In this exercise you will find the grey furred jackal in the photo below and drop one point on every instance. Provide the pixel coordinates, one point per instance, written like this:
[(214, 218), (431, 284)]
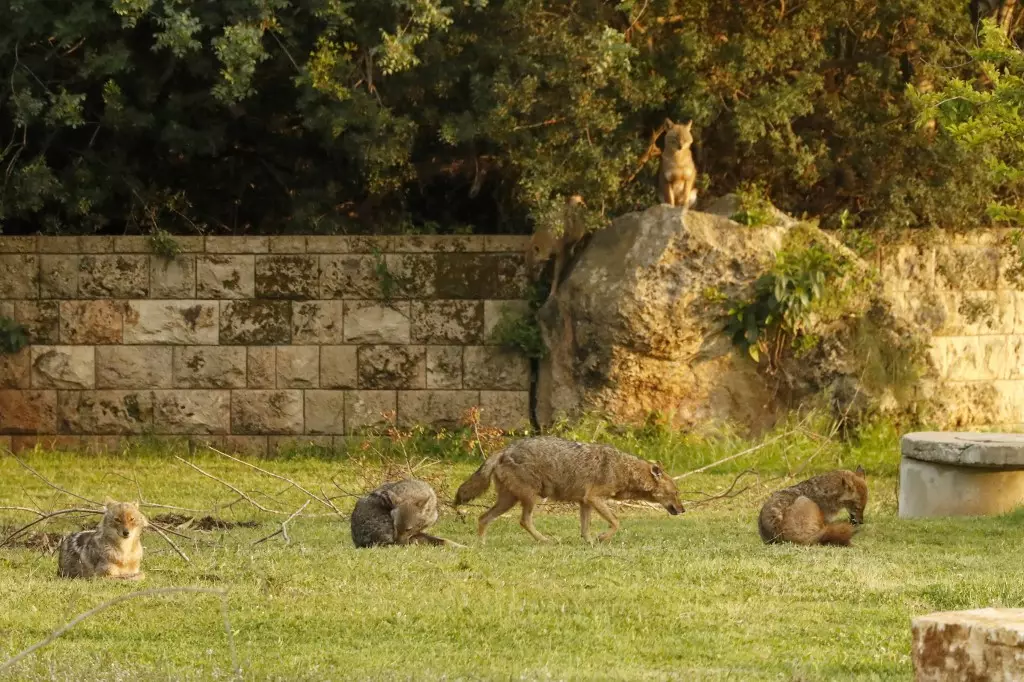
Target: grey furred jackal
[(396, 513), (546, 243), (113, 549), (677, 173), (801, 513), (532, 469)]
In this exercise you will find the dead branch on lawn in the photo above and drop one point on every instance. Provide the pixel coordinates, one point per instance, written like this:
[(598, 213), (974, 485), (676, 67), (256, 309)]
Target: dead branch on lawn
[(277, 476), (170, 542), (53, 636), (728, 492), (47, 517), (49, 483), (284, 527), (225, 483), (735, 456)]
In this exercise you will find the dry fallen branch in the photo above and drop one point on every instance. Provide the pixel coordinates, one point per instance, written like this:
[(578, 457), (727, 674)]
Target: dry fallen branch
[(47, 517), (170, 542), (735, 456), (273, 475), (284, 527), (728, 492), (225, 483), (50, 484), (125, 597)]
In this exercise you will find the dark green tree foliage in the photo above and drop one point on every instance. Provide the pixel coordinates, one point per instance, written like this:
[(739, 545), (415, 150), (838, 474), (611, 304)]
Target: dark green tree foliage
[(326, 115)]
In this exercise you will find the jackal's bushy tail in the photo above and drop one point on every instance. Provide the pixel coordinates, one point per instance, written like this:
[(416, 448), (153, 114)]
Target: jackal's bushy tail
[(837, 534), (477, 484)]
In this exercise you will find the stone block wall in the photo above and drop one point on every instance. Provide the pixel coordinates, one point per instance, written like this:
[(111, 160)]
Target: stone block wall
[(256, 342), (965, 289)]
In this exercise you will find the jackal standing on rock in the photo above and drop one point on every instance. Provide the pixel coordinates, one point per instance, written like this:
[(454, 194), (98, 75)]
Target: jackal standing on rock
[(396, 513), (532, 469), (801, 513), (113, 549)]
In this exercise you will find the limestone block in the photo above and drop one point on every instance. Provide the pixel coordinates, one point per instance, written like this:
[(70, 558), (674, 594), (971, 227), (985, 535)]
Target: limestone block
[(187, 412), (298, 366), (1018, 312), (505, 410), (966, 448), (287, 445), (931, 489), (494, 311), (59, 245), (446, 322), (288, 244), (19, 276), (113, 276), (172, 277), (480, 275), (338, 367), (133, 367), (15, 369), (67, 367), (58, 276), (237, 244), (972, 358), (440, 409), (262, 367), (266, 412), (325, 412), (28, 412), (409, 276), (369, 243), (966, 267), (96, 244), (392, 366), (41, 320), (327, 244), (350, 276), (91, 322), (982, 644), (317, 322), (372, 322), (1014, 357), (506, 243), (105, 412), (292, 277), (177, 322), (255, 322), (444, 367), (368, 409), (431, 243), (17, 244), (209, 367), (493, 368), (230, 277), (246, 446), (131, 243)]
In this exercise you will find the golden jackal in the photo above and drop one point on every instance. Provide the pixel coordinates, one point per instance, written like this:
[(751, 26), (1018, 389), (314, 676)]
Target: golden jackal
[(801, 513), (546, 243), (677, 173), (113, 549), (396, 514), (546, 467)]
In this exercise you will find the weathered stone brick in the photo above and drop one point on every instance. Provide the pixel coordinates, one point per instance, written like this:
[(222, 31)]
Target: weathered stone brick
[(350, 276), (437, 243), (505, 410), (246, 446), (961, 267), (210, 367), (292, 277), (371, 322), (327, 244), (290, 445), (440, 409), (444, 322), (495, 311), (18, 244), (317, 322), (132, 243), (41, 320), (96, 244), (369, 243), (338, 367), (237, 244), (59, 245), (266, 412), (409, 276), (187, 412), (255, 323), (133, 367), (91, 322), (172, 277), (28, 412), (444, 367), (482, 275), (325, 412), (392, 367), (367, 409), (15, 369), (262, 367), (19, 276), (298, 366), (67, 367), (225, 276), (176, 322), (493, 368), (506, 243), (288, 244), (58, 276), (980, 644), (118, 276), (105, 412)]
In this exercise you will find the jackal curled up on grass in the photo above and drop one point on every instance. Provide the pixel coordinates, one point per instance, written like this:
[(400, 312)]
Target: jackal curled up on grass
[(396, 513), (801, 513), (532, 469), (112, 550)]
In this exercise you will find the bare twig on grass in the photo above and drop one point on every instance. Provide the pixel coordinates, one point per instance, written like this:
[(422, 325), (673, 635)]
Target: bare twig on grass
[(56, 634), (24, 509), (295, 485), (170, 542), (49, 483), (284, 527), (225, 483), (46, 517), (728, 492), (735, 456)]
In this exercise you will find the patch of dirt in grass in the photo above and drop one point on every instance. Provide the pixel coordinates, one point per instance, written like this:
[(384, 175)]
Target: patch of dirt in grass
[(184, 522)]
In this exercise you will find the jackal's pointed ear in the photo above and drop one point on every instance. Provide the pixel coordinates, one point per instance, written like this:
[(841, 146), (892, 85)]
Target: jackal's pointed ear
[(860, 471), (668, 123), (656, 470), (688, 124)]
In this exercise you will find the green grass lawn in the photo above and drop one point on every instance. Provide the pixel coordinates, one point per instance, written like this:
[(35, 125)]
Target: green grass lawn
[(695, 597)]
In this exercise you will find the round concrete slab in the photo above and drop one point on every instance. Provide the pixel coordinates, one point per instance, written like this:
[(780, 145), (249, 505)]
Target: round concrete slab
[(987, 450)]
